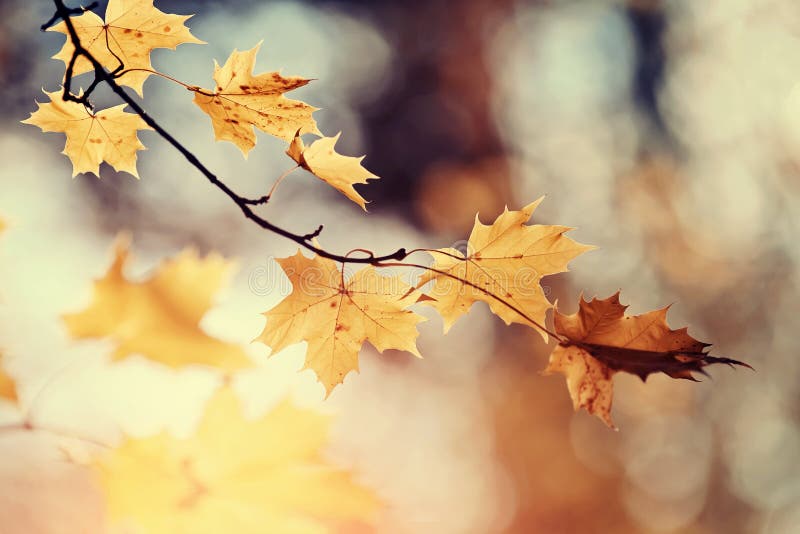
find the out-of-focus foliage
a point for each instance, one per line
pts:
(234, 474)
(160, 316)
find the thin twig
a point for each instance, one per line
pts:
(73, 11)
(524, 315)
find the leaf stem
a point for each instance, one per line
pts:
(279, 180)
(511, 306)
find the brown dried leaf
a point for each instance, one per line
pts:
(599, 340)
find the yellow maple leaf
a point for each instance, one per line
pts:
(506, 259)
(8, 389)
(233, 475)
(335, 315)
(599, 340)
(108, 135)
(242, 101)
(159, 317)
(131, 30)
(341, 172)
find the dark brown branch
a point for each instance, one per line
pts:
(256, 201)
(72, 11)
(101, 75)
(312, 235)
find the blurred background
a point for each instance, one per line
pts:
(667, 132)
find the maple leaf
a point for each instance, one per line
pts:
(233, 475)
(159, 317)
(108, 135)
(335, 315)
(8, 389)
(242, 101)
(340, 172)
(599, 340)
(506, 259)
(132, 29)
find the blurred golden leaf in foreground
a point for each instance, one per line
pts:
(340, 172)
(335, 315)
(507, 259)
(159, 317)
(601, 340)
(8, 389)
(233, 475)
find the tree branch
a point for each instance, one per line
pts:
(244, 204)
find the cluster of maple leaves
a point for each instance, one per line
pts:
(333, 313)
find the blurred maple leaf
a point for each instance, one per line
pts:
(242, 101)
(159, 317)
(233, 475)
(340, 172)
(601, 340)
(108, 135)
(507, 259)
(8, 389)
(335, 315)
(132, 29)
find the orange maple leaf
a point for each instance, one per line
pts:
(340, 172)
(599, 340)
(335, 315)
(8, 389)
(108, 135)
(159, 317)
(131, 30)
(242, 101)
(234, 474)
(506, 259)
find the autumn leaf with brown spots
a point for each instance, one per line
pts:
(242, 101)
(108, 135)
(599, 340)
(335, 314)
(131, 30)
(340, 172)
(8, 389)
